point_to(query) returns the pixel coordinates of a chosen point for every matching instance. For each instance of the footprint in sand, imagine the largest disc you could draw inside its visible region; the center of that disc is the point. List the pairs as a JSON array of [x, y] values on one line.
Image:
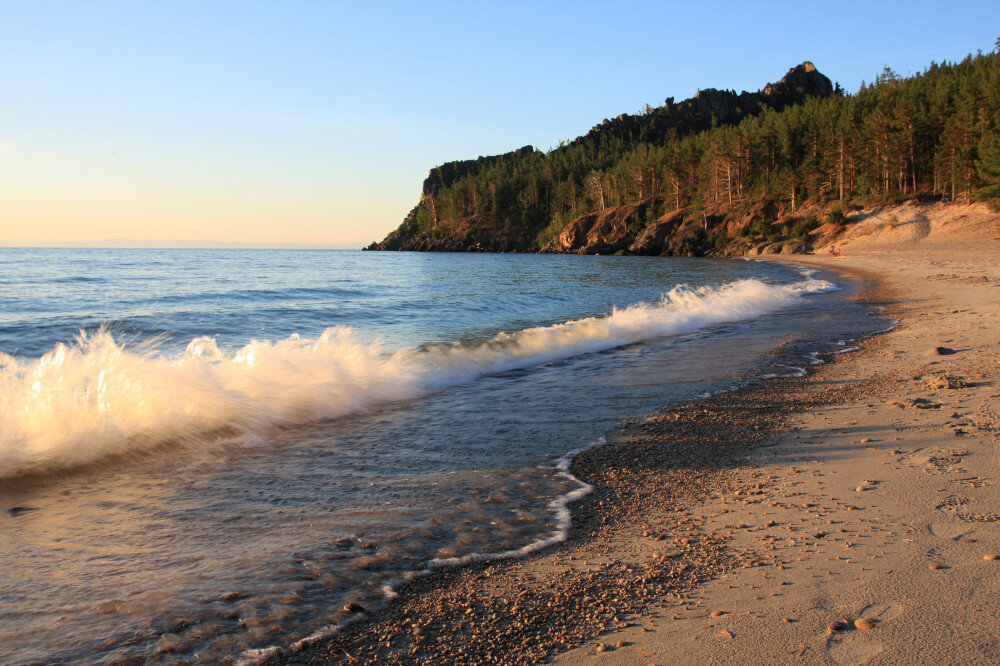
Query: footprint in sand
[[883, 612], [939, 460], [854, 647], [948, 530]]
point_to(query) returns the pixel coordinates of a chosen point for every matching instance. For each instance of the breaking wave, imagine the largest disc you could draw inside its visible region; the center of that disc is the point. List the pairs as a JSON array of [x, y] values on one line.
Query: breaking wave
[[97, 397]]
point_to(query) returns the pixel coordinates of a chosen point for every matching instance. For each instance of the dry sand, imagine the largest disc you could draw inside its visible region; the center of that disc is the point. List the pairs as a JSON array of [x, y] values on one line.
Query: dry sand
[[885, 505], [742, 528]]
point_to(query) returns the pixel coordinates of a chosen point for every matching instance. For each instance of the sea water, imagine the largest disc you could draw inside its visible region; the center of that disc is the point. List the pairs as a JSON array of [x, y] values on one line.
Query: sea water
[[206, 454]]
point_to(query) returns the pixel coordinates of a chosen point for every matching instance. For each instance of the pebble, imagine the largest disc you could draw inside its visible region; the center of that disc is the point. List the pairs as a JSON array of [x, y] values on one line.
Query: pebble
[[991, 557], [179, 627], [837, 625], [864, 623], [556, 617], [934, 567]]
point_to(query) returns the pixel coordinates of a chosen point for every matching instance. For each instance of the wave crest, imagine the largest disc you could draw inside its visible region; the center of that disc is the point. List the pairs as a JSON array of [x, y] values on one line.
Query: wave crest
[[97, 398]]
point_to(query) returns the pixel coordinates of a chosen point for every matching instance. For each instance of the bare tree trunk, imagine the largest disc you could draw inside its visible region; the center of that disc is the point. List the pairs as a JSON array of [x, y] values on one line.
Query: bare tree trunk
[[840, 171], [434, 213], [729, 182]]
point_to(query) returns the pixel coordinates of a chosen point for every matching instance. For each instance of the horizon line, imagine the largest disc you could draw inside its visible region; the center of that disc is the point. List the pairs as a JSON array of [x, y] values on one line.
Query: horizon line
[[178, 244]]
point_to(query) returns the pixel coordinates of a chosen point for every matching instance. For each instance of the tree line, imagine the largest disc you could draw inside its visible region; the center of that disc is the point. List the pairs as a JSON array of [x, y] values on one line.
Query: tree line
[[934, 133]]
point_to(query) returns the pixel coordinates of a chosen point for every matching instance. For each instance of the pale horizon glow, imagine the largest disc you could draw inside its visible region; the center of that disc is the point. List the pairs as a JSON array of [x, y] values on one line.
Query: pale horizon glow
[[314, 123]]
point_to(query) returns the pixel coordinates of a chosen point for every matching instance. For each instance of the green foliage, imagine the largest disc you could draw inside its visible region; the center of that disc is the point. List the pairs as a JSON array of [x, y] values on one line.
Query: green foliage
[[836, 216], [718, 239], [556, 226], [988, 170], [759, 227], [801, 227], [423, 219], [637, 224]]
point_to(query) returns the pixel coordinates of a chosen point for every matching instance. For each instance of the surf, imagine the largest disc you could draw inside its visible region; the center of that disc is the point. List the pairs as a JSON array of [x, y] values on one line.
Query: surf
[[101, 397]]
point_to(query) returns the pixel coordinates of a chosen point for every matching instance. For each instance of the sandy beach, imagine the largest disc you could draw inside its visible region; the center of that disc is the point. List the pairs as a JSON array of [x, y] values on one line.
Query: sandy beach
[[845, 517]]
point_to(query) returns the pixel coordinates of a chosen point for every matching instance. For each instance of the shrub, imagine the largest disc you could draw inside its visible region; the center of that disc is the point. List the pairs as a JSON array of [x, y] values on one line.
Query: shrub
[[836, 217], [758, 227], [557, 224], [801, 228]]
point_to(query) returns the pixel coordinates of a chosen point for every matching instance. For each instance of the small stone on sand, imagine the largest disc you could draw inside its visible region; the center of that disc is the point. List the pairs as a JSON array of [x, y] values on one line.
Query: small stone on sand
[[940, 351], [991, 557], [864, 623]]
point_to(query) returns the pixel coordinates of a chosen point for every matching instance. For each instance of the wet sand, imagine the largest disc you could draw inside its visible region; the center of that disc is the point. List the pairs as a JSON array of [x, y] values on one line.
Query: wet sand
[[846, 517]]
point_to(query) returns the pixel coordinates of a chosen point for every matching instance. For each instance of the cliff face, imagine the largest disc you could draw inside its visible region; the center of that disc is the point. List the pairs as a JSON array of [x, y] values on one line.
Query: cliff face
[[513, 202], [636, 229]]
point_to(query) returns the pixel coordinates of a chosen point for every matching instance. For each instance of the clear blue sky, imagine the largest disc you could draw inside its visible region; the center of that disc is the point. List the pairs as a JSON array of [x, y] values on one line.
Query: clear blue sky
[[315, 122]]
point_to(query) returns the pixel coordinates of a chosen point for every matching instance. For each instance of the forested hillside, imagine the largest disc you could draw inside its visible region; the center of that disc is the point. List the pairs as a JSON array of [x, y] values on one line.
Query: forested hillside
[[723, 172]]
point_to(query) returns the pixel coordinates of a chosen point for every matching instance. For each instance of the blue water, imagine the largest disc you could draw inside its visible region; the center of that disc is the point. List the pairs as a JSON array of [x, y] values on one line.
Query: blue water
[[147, 477], [48, 295]]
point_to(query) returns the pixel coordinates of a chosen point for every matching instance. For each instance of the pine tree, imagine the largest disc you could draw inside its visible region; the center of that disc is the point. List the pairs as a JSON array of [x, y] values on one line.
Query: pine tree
[[988, 170]]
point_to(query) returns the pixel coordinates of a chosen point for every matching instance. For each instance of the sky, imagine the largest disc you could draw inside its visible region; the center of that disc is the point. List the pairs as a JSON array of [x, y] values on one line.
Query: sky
[[315, 122]]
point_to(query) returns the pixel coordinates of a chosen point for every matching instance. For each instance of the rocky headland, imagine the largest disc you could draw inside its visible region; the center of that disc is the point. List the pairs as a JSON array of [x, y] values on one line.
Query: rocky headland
[[650, 225], [789, 168]]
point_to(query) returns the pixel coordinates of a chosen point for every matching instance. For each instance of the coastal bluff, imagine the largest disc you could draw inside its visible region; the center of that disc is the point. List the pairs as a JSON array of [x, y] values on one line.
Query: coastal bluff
[[642, 226], [786, 169]]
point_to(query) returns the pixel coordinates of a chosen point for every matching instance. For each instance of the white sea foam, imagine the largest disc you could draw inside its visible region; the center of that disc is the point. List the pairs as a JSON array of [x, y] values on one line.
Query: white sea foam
[[563, 518], [97, 398]]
